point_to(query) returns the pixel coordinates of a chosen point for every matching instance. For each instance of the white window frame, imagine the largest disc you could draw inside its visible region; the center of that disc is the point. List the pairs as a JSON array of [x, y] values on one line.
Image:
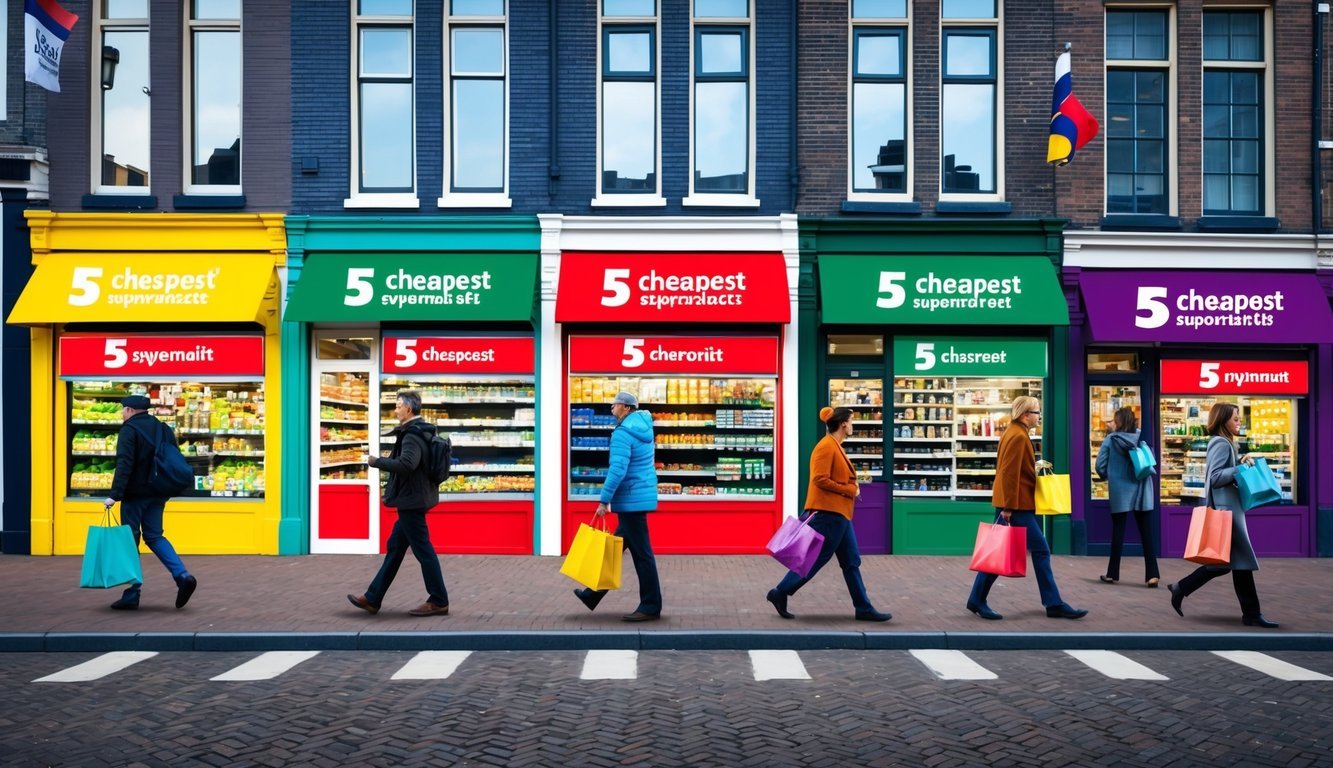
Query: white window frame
[[377, 200], [1269, 103], [1172, 106], [996, 25], [853, 26], [449, 198], [96, 154], [187, 110], [713, 199], [610, 200]]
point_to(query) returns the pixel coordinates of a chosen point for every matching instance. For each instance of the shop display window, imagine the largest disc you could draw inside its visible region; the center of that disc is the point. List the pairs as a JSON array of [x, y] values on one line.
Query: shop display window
[[865, 448], [344, 425], [1103, 402], [1268, 430], [946, 430], [219, 427], [715, 437], [1113, 362], [490, 421]]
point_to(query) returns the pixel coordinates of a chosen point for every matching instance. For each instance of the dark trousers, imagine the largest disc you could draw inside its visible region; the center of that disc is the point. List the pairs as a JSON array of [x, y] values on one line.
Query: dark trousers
[[1142, 519], [839, 540], [1041, 563], [1243, 581], [633, 528], [410, 532], [144, 517]]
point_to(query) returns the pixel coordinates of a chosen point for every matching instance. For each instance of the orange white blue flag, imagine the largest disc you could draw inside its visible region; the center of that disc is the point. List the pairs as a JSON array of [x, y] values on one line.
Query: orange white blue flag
[[1072, 126]]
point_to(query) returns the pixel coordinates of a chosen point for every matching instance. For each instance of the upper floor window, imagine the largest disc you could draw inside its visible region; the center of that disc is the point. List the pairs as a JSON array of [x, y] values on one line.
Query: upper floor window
[[383, 104], [629, 126], [213, 124], [477, 99], [880, 153], [1138, 62], [123, 111], [969, 98], [1234, 113], [722, 133]]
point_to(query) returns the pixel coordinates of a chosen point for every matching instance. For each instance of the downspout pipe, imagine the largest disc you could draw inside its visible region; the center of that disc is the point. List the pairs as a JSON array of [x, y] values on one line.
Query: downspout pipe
[[553, 81], [1316, 123]]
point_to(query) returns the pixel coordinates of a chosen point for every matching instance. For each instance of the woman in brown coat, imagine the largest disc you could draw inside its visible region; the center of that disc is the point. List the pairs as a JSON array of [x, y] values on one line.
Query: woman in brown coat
[[1015, 498], [828, 504]]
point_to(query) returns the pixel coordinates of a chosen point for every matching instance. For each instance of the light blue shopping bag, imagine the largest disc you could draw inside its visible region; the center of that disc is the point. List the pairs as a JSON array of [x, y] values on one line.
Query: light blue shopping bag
[[110, 557], [1258, 486]]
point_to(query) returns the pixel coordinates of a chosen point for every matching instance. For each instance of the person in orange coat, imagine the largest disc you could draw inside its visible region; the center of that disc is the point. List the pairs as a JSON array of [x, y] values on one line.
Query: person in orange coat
[[828, 506], [1015, 498]]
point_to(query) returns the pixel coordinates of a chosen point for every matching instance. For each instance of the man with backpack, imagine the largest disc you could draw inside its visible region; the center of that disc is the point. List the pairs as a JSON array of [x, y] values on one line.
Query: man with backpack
[[141, 435], [412, 491]]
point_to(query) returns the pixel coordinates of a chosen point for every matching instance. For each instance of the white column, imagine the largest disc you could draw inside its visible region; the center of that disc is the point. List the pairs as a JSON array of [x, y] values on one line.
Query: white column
[[551, 413]]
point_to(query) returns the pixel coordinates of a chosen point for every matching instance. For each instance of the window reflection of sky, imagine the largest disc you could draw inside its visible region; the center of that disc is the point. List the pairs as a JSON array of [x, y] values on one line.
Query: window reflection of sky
[[968, 9], [125, 9], [217, 94], [386, 136], [877, 119], [386, 52], [628, 8], [629, 52], [217, 9], [968, 126], [879, 9], [479, 134], [125, 108], [478, 51], [968, 55], [720, 53], [720, 125], [629, 129], [878, 55], [708, 9], [385, 7], [477, 7]]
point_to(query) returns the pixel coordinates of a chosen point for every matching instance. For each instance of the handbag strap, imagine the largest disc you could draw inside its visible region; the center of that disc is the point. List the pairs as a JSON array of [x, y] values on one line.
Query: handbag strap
[[109, 518], [157, 444]]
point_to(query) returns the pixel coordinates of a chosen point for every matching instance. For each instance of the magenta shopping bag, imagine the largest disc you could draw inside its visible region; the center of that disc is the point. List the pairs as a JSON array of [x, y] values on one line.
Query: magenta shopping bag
[[796, 545]]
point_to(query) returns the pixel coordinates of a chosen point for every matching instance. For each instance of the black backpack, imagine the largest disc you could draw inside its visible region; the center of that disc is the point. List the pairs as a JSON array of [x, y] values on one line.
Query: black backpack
[[439, 455], [170, 474]]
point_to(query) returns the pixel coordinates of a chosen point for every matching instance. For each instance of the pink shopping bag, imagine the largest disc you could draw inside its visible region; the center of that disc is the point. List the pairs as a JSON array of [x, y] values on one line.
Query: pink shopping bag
[[796, 545]]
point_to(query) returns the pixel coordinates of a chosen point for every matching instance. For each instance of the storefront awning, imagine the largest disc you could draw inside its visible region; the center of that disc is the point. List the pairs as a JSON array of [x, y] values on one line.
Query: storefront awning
[[693, 287], [941, 290], [376, 287], [1206, 307], [145, 288]]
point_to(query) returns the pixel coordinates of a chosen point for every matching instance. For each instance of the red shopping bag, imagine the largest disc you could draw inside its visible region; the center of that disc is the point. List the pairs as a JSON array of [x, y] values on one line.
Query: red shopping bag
[[1209, 541], [1001, 550]]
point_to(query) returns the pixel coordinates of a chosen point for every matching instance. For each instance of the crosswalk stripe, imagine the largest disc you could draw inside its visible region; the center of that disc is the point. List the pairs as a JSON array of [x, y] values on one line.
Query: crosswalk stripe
[[778, 665], [1272, 667], [1116, 666], [97, 668], [952, 665], [610, 665], [431, 665], [266, 666]]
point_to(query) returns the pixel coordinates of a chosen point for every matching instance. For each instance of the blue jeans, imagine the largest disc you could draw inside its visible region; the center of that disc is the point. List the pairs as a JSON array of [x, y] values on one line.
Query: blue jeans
[[840, 540], [144, 517], [1041, 564], [410, 532], [633, 527]]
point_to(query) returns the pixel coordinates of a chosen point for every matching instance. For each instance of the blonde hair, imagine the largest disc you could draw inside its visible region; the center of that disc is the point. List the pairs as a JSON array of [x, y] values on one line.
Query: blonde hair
[[1023, 404]]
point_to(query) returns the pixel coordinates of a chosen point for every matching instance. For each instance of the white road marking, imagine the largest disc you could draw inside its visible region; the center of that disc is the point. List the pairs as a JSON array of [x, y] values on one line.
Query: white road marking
[[610, 665], [952, 665], [431, 665], [1116, 666], [266, 666], [778, 665], [97, 668], [1271, 666]]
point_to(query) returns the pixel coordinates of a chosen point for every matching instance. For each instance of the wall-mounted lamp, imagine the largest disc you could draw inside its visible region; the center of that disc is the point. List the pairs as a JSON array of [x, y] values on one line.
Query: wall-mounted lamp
[[110, 58]]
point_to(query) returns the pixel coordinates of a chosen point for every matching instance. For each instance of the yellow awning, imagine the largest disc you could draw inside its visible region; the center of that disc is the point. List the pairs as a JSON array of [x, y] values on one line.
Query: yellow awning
[[145, 288]]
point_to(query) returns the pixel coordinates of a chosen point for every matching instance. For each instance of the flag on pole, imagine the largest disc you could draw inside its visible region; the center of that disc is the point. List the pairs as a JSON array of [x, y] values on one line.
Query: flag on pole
[[1072, 126], [47, 27]]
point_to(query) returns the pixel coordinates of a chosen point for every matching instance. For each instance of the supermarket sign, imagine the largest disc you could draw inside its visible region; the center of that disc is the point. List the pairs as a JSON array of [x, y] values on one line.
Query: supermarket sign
[[1216, 307], [415, 286], [673, 288], [970, 357], [943, 290], [1235, 377], [105, 356], [455, 354], [701, 355]]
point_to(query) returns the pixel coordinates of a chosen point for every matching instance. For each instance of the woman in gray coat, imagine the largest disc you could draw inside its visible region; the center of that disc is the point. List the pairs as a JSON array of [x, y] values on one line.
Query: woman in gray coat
[[1128, 494], [1220, 471]]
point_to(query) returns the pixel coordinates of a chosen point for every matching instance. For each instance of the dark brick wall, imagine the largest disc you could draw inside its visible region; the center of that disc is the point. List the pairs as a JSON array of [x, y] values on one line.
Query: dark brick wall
[[321, 118], [266, 113], [25, 103], [68, 112]]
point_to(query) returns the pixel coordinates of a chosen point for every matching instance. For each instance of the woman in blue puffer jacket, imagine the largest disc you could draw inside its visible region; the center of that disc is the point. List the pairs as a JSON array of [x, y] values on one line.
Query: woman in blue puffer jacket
[[1128, 494]]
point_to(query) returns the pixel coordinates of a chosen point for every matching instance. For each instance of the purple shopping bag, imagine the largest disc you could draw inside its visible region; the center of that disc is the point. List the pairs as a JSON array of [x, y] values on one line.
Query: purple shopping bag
[[796, 545]]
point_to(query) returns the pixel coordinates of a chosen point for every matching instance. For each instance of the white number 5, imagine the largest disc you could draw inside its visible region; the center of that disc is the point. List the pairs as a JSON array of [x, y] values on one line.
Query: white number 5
[[633, 353], [925, 356], [115, 353], [1208, 375], [88, 290]]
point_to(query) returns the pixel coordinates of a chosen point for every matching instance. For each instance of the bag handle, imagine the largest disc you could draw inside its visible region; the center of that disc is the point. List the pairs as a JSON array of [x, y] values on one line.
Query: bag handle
[[1045, 467], [109, 518]]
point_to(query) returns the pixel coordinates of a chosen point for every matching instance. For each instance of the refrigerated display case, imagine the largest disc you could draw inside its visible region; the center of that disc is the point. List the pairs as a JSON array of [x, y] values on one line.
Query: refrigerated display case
[[1268, 430], [865, 448], [1103, 402], [344, 425]]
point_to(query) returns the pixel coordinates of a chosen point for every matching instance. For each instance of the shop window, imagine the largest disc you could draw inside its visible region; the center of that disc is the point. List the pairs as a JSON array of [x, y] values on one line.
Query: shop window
[[384, 154], [1103, 402], [1234, 113], [970, 102], [843, 345], [477, 64], [213, 123], [880, 152], [1268, 431], [865, 448], [1139, 110], [629, 98], [1113, 362], [721, 117], [123, 105], [344, 347]]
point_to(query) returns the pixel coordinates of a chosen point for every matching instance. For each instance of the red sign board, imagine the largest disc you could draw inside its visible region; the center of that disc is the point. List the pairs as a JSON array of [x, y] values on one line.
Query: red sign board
[[455, 354], [673, 288], [162, 356], [700, 355], [1235, 377]]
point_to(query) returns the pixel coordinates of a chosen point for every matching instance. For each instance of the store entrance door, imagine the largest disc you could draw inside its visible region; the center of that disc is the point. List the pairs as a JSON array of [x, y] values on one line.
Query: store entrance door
[[861, 388], [1108, 393], [344, 390]]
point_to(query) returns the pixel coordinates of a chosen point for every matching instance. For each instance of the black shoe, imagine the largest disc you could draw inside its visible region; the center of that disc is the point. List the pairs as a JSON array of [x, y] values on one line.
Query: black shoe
[[1107, 579], [984, 612], [1065, 611], [184, 588], [586, 597], [641, 616], [1177, 597], [1258, 620], [124, 604], [779, 602], [873, 615]]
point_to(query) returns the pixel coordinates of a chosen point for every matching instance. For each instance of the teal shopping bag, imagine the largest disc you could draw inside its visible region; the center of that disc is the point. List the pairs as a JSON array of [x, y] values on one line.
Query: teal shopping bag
[[1258, 486], [1143, 460], [110, 556]]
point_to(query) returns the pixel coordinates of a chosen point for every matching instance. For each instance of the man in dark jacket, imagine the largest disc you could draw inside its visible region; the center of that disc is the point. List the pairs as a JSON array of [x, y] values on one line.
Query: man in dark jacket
[[412, 493], [140, 433]]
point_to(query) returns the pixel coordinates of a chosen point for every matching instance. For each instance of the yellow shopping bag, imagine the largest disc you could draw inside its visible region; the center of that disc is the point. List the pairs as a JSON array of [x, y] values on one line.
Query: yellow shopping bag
[[594, 557], [1053, 496]]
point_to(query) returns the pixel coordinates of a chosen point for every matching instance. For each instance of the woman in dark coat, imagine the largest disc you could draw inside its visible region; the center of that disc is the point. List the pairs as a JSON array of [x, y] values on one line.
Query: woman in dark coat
[[1128, 494]]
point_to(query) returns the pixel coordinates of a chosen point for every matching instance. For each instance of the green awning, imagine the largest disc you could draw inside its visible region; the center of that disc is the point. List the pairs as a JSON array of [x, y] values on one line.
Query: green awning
[[941, 290], [377, 287]]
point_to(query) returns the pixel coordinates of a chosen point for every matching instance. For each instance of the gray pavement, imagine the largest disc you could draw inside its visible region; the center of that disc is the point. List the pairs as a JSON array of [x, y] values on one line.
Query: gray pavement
[[711, 602]]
